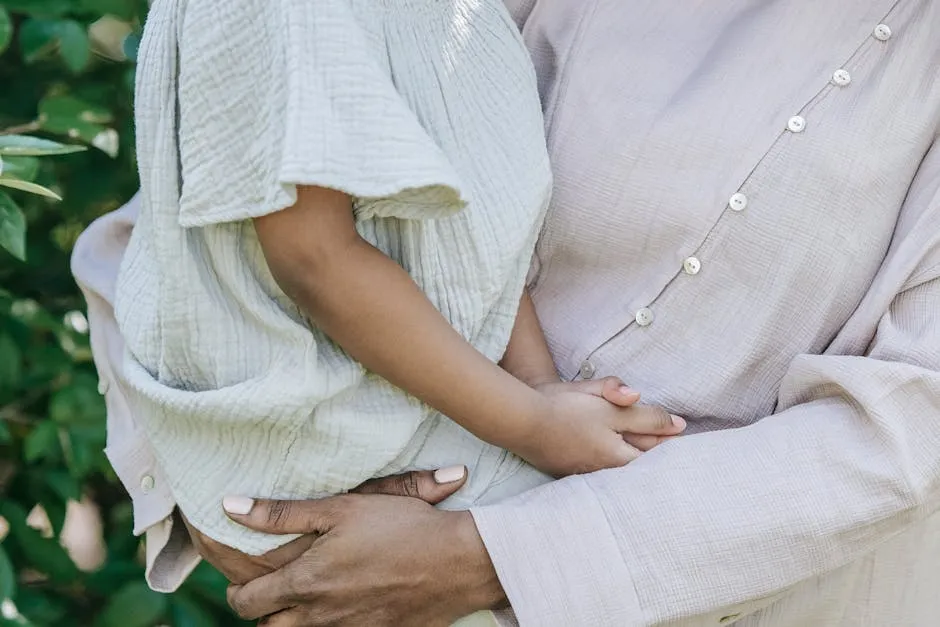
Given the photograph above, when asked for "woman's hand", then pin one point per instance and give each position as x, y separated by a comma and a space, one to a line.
238, 568
378, 560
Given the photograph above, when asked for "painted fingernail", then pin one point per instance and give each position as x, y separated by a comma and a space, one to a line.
449, 474
238, 505
678, 421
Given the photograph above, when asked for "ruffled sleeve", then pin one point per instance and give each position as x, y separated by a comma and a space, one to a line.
278, 94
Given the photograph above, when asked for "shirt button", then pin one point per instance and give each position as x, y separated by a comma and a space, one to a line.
738, 202
147, 483
841, 78
730, 618
587, 370
103, 386
882, 32
796, 124
644, 317
691, 265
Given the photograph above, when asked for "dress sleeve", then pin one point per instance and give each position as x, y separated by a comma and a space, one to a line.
276, 95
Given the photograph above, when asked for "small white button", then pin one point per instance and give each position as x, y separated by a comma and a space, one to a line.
730, 618
841, 78
644, 317
738, 202
587, 370
103, 386
691, 265
796, 124
147, 483
882, 32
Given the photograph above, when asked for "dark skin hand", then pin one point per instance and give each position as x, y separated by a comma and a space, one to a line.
240, 568
434, 568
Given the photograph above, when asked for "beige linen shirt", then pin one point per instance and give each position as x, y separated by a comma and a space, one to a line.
746, 228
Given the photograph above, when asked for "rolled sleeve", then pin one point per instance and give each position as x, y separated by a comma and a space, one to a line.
96, 260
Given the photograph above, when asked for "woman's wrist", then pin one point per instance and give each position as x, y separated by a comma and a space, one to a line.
480, 586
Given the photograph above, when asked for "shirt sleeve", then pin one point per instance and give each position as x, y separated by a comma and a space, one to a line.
96, 260
520, 10
721, 524
276, 95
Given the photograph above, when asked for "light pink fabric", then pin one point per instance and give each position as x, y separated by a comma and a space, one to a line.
805, 350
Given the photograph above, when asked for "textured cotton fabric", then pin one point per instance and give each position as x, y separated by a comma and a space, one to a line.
805, 357
427, 114
804, 346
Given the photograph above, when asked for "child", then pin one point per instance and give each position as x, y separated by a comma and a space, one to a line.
340, 201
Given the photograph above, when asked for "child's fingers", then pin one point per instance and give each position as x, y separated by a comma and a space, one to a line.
614, 391
611, 389
645, 442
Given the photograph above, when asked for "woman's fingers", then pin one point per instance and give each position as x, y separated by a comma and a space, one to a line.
282, 517
430, 486
265, 595
649, 420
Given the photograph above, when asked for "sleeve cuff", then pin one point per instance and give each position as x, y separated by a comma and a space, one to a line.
557, 559
171, 555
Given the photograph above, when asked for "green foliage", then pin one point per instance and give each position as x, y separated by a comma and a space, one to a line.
66, 130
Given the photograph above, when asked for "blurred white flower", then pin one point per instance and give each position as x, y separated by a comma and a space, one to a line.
107, 141
76, 321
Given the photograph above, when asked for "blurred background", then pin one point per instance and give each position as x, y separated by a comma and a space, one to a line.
67, 555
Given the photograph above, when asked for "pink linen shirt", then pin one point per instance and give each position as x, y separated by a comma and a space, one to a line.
746, 228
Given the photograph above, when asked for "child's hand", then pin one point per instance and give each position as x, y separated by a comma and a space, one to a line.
614, 391
610, 388
583, 431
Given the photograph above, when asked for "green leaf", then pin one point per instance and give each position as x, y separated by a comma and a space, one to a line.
37, 38
11, 362
134, 605
63, 484
39, 7
12, 227
7, 576
42, 441
26, 146
43, 554
5, 435
74, 45
26, 186
6, 30
188, 613
78, 404
23, 168
67, 115
40, 608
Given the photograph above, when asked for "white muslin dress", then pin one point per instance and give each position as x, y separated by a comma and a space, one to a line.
426, 112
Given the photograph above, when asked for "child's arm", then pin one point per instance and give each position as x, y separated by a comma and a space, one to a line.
370, 306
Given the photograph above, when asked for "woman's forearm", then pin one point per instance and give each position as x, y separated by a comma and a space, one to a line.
527, 356
371, 307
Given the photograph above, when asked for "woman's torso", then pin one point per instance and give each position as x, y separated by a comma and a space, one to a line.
659, 113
